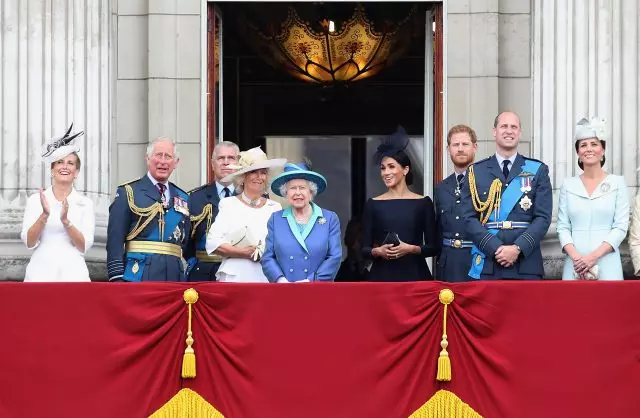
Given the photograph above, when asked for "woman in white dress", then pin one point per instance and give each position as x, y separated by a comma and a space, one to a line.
59, 222
239, 231
593, 212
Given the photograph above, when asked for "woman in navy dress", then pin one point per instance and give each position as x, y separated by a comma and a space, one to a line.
399, 226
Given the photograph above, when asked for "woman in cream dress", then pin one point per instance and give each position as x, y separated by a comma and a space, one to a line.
59, 222
239, 231
593, 212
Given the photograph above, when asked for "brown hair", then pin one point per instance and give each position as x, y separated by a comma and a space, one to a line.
462, 129
78, 163
604, 147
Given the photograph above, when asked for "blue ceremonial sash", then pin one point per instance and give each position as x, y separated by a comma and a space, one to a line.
508, 201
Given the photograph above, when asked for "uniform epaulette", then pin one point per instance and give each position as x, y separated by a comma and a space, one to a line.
483, 160
197, 188
129, 182
179, 189
533, 159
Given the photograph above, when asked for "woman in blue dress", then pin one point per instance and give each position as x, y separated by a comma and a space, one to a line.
303, 240
399, 226
593, 211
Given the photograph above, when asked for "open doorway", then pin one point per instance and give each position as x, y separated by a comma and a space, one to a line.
253, 102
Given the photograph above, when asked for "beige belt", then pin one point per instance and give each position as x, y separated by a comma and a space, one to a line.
203, 256
154, 248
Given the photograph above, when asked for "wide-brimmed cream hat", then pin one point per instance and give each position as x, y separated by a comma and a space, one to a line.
252, 160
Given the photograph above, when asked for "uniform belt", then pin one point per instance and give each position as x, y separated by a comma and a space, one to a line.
203, 256
507, 225
154, 248
457, 243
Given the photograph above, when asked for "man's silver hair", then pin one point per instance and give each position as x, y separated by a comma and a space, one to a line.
153, 143
226, 144
313, 187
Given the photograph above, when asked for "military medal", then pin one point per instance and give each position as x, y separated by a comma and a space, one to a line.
180, 206
525, 203
135, 268
525, 184
177, 234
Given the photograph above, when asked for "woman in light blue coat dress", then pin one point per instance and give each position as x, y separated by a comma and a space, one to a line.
303, 241
593, 212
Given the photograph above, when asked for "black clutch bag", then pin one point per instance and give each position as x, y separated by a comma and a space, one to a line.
391, 238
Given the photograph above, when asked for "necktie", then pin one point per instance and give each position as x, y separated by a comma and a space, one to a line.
460, 177
226, 192
505, 168
161, 188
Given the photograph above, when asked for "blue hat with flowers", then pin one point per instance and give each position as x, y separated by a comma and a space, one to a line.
300, 170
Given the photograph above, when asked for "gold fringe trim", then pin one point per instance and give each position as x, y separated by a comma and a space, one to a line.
207, 212
189, 358
445, 404
187, 404
148, 213
446, 296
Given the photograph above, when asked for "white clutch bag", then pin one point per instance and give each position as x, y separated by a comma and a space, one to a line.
241, 237
592, 274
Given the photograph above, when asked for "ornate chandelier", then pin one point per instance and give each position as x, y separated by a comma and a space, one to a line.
354, 52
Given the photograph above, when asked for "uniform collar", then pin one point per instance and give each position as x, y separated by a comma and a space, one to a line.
220, 188
511, 159
155, 182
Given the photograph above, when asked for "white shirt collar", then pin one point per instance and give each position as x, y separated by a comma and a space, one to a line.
155, 182
220, 188
511, 159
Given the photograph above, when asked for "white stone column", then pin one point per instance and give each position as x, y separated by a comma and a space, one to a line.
585, 63
55, 70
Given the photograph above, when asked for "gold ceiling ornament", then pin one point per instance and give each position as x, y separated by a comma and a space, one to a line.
351, 53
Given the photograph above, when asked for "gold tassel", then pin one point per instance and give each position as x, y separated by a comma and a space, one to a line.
189, 358
444, 362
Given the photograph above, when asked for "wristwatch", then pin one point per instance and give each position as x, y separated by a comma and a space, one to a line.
67, 225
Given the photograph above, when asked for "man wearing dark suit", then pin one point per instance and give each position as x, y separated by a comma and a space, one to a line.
149, 222
203, 206
455, 256
507, 207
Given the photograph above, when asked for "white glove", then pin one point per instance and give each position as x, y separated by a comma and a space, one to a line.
259, 251
303, 281
283, 280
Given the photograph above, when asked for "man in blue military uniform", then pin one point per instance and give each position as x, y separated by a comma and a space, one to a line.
455, 256
507, 205
149, 222
203, 206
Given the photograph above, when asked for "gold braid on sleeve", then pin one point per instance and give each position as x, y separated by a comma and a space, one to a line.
493, 200
148, 214
207, 211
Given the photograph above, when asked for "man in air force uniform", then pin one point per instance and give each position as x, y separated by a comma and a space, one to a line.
203, 206
507, 208
455, 256
149, 223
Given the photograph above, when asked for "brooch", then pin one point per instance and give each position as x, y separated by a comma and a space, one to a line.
322, 220
525, 203
605, 187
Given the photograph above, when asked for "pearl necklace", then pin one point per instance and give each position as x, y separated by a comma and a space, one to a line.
250, 202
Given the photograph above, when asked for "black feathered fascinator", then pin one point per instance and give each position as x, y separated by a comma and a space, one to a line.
390, 145
61, 147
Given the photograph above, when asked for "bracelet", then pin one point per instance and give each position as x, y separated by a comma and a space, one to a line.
68, 225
